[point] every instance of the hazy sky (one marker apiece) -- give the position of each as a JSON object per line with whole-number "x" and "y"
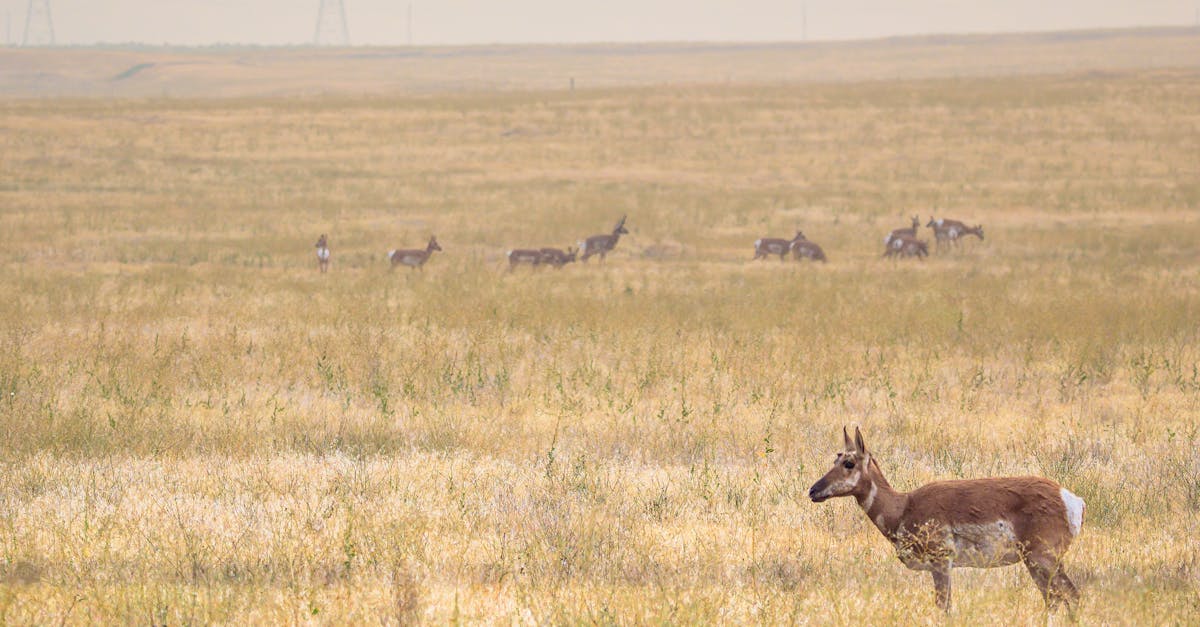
{"x": 199, "y": 22}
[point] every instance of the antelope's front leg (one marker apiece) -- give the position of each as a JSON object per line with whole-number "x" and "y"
{"x": 941, "y": 585}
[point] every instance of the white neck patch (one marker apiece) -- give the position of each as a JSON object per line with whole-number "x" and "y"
{"x": 870, "y": 500}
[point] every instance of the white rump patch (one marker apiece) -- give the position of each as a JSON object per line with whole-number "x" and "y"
{"x": 323, "y": 254}
{"x": 391, "y": 252}
{"x": 1075, "y": 507}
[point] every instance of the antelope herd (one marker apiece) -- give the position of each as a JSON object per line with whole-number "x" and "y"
{"x": 977, "y": 523}
{"x": 901, "y": 242}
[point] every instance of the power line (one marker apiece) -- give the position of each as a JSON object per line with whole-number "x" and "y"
{"x": 804, "y": 21}
{"x": 39, "y": 26}
{"x": 331, "y": 24}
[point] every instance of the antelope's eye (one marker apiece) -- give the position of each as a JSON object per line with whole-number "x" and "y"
{"x": 848, "y": 465}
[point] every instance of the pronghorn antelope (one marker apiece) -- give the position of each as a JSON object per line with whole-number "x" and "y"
{"x": 518, "y": 256}
{"x": 602, "y": 244}
{"x": 556, "y": 257}
{"x": 906, "y": 246}
{"x": 977, "y": 523}
{"x": 909, "y": 232}
{"x": 951, "y": 230}
{"x": 323, "y": 253}
{"x": 764, "y": 246}
{"x": 414, "y": 258}
{"x": 802, "y": 248}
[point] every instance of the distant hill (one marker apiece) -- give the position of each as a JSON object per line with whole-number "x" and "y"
{"x": 138, "y": 72}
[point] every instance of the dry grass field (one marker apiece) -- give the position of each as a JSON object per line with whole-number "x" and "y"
{"x": 200, "y": 428}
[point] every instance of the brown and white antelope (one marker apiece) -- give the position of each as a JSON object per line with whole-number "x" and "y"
{"x": 951, "y": 230}
{"x": 909, "y": 232}
{"x": 414, "y": 258}
{"x": 602, "y": 244}
{"x": 765, "y": 246}
{"x": 556, "y": 257}
{"x": 976, "y": 523}
{"x": 519, "y": 256}
{"x": 905, "y": 246}
{"x": 323, "y": 253}
{"x": 802, "y": 248}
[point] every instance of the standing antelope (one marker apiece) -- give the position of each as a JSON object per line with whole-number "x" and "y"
{"x": 523, "y": 255}
{"x": 977, "y": 523}
{"x": 802, "y": 248}
{"x": 414, "y": 258}
{"x": 906, "y": 246}
{"x": 556, "y": 257}
{"x": 951, "y": 230}
{"x": 323, "y": 254}
{"x": 764, "y": 246}
{"x": 909, "y": 232}
{"x": 602, "y": 244}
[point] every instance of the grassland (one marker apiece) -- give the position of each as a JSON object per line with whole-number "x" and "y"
{"x": 198, "y": 427}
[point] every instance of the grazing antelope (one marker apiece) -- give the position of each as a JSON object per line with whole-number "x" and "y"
{"x": 414, "y": 258}
{"x": 802, "y": 248}
{"x": 951, "y": 230}
{"x": 602, "y": 244}
{"x": 909, "y": 232}
{"x": 906, "y": 246}
{"x": 764, "y": 246}
{"x": 523, "y": 255}
{"x": 323, "y": 253}
{"x": 557, "y": 257}
{"x": 976, "y": 523}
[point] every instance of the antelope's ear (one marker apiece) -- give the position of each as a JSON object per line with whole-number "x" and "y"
{"x": 846, "y": 437}
{"x": 859, "y": 445}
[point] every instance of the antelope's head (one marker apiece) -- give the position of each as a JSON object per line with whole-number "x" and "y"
{"x": 850, "y": 468}
{"x": 571, "y": 254}
{"x": 932, "y": 222}
{"x": 916, "y": 222}
{"x": 799, "y": 236}
{"x": 979, "y": 230}
{"x": 433, "y": 245}
{"x": 620, "y": 228}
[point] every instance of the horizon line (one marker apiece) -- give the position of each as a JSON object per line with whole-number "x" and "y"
{"x": 717, "y": 42}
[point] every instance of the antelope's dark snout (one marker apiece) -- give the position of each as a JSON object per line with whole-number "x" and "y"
{"x": 815, "y": 492}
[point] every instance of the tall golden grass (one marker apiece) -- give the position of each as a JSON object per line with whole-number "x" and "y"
{"x": 198, "y": 427}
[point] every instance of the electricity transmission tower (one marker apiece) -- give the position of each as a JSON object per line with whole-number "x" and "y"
{"x": 331, "y": 24}
{"x": 39, "y": 26}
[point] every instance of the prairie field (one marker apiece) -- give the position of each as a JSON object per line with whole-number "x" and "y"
{"x": 198, "y": 427}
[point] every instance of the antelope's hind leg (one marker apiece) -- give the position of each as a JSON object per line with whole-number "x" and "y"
{"x": 1056, "y": 588}
{"x": 941, "y": 585}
